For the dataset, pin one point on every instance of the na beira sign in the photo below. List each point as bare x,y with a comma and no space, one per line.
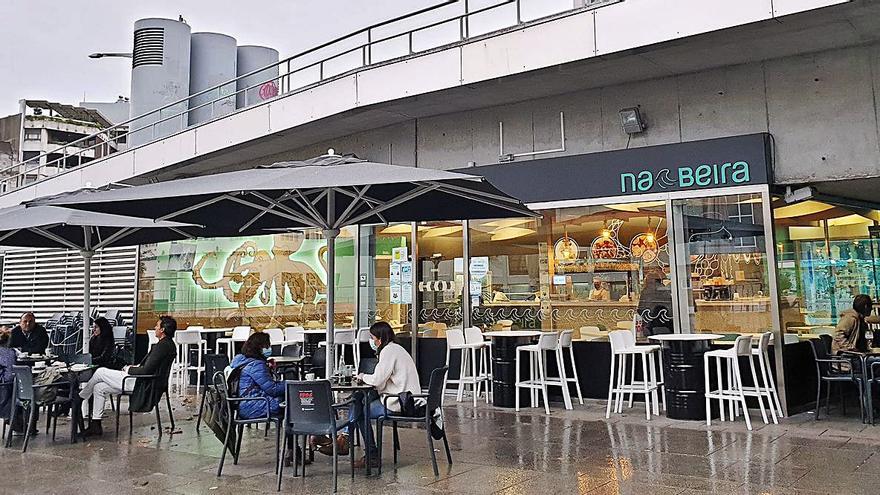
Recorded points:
711,163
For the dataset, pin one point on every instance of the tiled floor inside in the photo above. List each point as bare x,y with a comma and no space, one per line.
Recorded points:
494,451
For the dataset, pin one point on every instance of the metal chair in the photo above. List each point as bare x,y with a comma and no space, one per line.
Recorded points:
239,423
310,411
24,398
239,334
159,388
213,364
834,369
434,401
319,362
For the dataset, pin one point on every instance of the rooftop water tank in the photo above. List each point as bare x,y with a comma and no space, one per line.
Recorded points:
159,76
212,62
262,85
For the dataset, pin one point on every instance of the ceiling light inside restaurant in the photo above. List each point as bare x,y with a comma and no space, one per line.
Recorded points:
506,233
853,219
631,120
800,209
442,231
507,222
400,228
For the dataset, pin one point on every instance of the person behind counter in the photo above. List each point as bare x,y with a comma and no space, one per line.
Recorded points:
28,336
599,292
852,325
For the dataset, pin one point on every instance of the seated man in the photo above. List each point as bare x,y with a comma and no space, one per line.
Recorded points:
106,381
29,336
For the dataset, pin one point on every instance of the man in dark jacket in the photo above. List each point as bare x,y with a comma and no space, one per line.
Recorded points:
29,336
106,382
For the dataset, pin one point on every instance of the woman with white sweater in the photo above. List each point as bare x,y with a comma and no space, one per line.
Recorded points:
395,373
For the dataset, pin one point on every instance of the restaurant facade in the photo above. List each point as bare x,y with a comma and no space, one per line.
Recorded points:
679,238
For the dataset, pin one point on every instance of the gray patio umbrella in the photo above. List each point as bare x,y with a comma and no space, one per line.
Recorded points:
327,193
84,231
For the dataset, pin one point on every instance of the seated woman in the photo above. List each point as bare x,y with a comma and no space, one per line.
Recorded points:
256,380
7,360
102,346
395,373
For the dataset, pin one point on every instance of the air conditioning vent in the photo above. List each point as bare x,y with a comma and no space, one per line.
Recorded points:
149,46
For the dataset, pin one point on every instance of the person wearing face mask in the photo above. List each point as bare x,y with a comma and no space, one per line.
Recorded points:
256,379
599,292
395,373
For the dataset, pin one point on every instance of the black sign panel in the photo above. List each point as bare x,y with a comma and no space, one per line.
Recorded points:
711,163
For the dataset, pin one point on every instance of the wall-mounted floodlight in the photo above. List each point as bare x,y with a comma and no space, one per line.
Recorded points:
631,120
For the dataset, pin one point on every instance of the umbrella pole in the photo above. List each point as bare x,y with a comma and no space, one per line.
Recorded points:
330,237
87,286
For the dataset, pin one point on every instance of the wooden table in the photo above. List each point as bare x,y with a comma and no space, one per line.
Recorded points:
683,376
504,344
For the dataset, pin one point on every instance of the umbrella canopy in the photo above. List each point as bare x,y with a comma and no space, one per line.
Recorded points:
85,231
327,193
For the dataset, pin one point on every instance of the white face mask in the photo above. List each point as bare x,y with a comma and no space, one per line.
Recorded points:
374,345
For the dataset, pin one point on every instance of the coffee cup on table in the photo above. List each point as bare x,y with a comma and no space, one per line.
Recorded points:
310,376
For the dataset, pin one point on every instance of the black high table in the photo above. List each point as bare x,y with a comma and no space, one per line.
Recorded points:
683,374
504,344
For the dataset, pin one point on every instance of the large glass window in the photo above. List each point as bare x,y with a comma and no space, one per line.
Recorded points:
722,264
265,281
440,277
386,292
591,269
826,256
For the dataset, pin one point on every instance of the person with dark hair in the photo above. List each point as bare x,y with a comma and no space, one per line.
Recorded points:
852,325
7,360
106,381
28,336
102,345
256,379
395,373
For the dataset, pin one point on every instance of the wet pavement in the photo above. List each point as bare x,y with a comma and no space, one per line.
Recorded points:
494,451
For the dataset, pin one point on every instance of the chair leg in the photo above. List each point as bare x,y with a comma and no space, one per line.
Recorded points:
55,422
335,465
395,440
170,414
646,385
201,409
818,399
278,456
11,422
737,375
517,380
379,427
158,418
543,377
574,372
279,465
828,399
238,445
31,422
446,446
610,388
225,448
707,386
431,445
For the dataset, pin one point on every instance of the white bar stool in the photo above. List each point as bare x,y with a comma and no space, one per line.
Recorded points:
192,336
239,334
622,347
565,343
293,335
276,336
734,393
538,379
763,353
474,336
363,337
342,337
469,373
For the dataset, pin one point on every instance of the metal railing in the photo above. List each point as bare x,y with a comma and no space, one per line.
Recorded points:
283,80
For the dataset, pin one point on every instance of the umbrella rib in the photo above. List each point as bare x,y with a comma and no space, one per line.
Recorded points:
371,202
56,238
273,204
307,206
9,234
207,202
119,234
516,209
181,232
354,202
505,199
258,207
421,190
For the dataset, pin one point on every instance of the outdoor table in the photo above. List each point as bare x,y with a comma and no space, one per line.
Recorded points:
683,375
863,357
504,344
72,376
32,359
311,340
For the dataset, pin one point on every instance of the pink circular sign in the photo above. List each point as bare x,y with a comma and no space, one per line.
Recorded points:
268,90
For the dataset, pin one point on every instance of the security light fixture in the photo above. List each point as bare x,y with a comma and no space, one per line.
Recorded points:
110,55
631,120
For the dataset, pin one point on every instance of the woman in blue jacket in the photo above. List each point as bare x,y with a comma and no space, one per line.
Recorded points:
256,379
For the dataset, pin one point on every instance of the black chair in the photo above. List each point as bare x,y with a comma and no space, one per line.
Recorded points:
213,364
291,350
231,412
827,340
834,369
873,378
310,411
24,398
5,401
434,398
319,362
159,387
367,365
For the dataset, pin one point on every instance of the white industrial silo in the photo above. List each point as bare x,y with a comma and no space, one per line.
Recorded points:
262,85
212,62
159,76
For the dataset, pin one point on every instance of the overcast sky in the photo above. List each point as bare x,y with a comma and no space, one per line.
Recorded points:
44,44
